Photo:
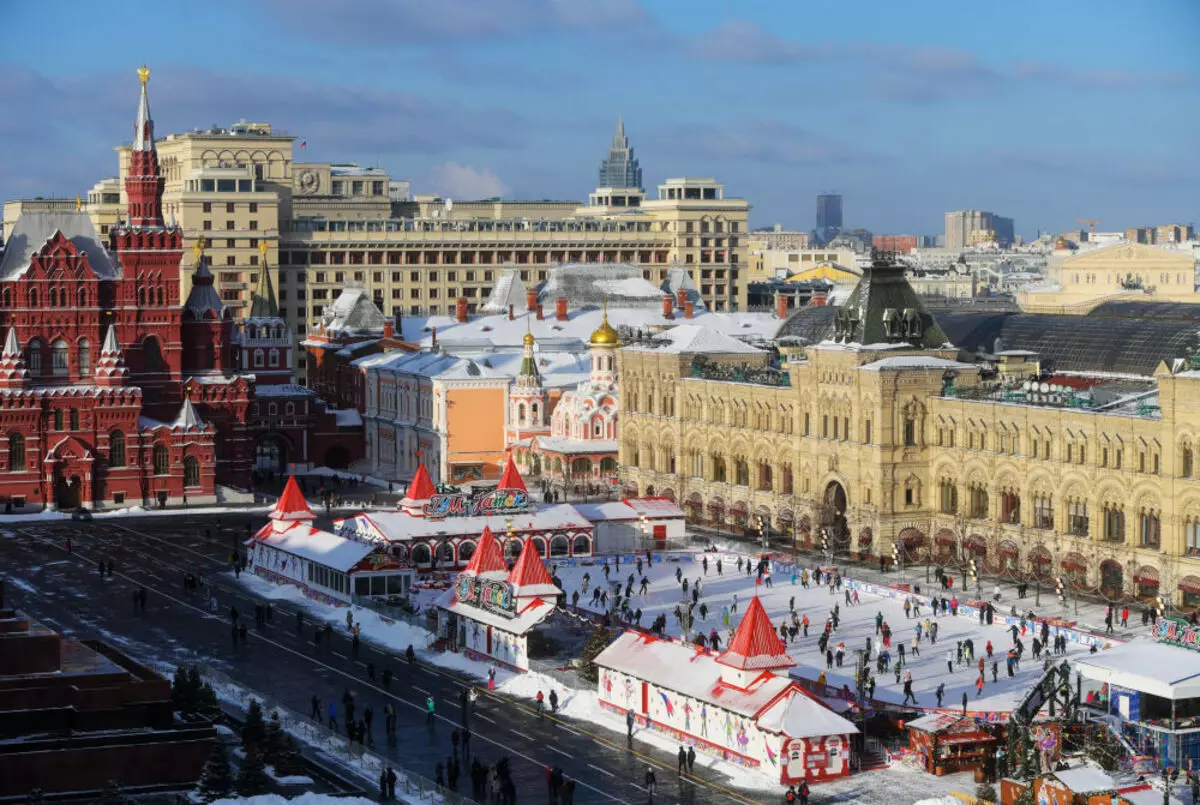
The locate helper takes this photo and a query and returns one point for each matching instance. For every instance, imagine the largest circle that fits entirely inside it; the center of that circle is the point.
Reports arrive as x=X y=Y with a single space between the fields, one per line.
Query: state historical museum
x=111 y=393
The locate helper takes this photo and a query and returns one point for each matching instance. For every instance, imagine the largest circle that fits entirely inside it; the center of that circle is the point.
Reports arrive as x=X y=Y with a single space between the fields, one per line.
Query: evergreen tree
x=600 y=640
x=273 y=741
x=252 y=778
x=217 y=780
x=179 y=689
x=254 y=731
x=985 y=794
x=207 y=703
x=1025 y=797
x=290 y=762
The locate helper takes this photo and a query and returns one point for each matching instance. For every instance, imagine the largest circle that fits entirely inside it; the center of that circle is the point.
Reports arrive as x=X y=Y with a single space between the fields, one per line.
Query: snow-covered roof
x=559 y=444
x=399 y=526
x=630 y=509
x=306 y=542
x=534 y=613
x=622 y=284
x=900 y=362
x=509 y=291
x=1159 y=669
x=1146 y=796
x=283 y=390
x=697 y=338
x=799 y=716
x=353 y=312
x=31 y=231
x=291 y=505
x=203 y=298
x=487 y=332
x=431 y=364
x=529 y=576
x=934 y=722
x=1086 y=780
x=347 y=417
x=756 y=645
x=690 y=670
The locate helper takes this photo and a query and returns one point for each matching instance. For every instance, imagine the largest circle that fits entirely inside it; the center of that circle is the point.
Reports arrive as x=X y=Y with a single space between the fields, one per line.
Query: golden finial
x=78 y=203
x=143 y=74
x=199 y=246
x=262 y=248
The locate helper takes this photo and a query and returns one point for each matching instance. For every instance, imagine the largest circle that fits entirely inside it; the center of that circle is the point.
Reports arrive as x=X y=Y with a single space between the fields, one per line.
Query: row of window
x=161 y=455
x=330 y=579
x=230 y=206
x=207 y=225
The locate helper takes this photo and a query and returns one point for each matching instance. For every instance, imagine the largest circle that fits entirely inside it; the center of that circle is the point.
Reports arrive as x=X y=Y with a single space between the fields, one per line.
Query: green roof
x=884 y=309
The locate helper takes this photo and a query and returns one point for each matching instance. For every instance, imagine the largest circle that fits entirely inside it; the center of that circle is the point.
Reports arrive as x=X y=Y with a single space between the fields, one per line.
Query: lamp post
x=645 y=526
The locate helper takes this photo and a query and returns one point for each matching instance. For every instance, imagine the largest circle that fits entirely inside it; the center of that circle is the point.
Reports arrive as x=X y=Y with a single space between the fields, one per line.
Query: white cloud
x=455 y=180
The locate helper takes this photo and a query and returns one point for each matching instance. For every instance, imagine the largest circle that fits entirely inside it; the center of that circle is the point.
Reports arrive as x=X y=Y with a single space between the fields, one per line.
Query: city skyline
x=519 y=99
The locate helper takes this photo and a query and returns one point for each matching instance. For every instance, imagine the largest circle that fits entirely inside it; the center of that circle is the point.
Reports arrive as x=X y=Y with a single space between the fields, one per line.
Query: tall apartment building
x=327 y=226
x=829 y=216
x=972 y=227
x=620 y=168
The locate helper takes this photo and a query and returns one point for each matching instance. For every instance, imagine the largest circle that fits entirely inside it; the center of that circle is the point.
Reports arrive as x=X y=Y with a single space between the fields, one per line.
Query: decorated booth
x=327 y=567
x=436 y=531
x=948 y=742
x=739 y=705
x=490 y=611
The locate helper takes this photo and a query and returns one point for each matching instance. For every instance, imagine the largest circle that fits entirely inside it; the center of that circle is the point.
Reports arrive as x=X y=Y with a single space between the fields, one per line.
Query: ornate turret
x=262 y=298
x=527 y=400
x=12 y=365
x=602 y=346
x=144 y=182
x=110 y=369
x=203 y=301
x=754 y=649
x=884 y=309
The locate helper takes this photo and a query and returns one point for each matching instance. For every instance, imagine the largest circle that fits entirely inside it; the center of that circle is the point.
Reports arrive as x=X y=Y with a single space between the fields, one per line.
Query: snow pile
x=939 y=801
x=303 y=799
x=394 y=635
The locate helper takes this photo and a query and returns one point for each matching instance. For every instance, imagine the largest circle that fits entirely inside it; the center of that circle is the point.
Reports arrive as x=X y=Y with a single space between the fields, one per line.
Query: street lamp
x=645 y=526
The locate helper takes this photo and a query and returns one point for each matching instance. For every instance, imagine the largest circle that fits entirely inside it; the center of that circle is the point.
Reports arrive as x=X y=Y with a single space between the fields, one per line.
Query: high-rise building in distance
x=620 y=168
x=972 y=227
x=829 y=216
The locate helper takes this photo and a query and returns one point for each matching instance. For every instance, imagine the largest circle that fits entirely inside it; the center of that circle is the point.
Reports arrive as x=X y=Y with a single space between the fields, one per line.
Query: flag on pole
x=304 y=143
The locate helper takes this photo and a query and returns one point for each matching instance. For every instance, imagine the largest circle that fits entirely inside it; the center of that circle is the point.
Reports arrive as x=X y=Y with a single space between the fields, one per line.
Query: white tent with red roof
x=739 y=705
x=419 y=492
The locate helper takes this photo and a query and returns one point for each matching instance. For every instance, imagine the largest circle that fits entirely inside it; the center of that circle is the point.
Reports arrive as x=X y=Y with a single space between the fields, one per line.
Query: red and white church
x=739 y=705
x=112 y=392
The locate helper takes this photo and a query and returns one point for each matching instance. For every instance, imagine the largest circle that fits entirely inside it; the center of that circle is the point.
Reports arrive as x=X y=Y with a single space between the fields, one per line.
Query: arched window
x=53 y=297
x=116 y=449
x=273 y=358
x=85 y=357
x=59 y=362
x=152 y=359
x=16 y=453
x=73 y=418
x=290 y=409
x=141 y=297
x=7 y=298
x=272 y=409
x=258 y=359
x=34 y=359
x=162 y=459
x=33 y=297
x=521 y=413
x=82 y=297
x=58 y=420
x=160 y=297
x=191 y=471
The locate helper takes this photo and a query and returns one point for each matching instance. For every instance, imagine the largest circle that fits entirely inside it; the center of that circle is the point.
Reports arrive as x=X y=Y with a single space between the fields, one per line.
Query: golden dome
x=605 y=335
x=527 y=338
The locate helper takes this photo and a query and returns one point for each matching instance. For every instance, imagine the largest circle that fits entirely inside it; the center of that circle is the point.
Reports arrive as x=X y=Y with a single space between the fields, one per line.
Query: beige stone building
x=877 y=434
x=329 y=225
x=1078 y=281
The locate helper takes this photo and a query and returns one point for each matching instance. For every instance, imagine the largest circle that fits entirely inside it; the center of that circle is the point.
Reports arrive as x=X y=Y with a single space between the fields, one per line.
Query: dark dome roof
x=1176 y=311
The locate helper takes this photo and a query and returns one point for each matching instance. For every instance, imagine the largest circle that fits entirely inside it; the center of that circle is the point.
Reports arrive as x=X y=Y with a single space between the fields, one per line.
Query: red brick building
x=111 y=393
x=894 y=243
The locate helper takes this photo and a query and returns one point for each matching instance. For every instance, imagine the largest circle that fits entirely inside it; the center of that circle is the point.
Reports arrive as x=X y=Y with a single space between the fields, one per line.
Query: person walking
x=429 y=710
x=650 y=782
x=681 y=761
x=691 y=758
x=949 y=661
x=333 y=716
x=629 y=721
x=315 y=715
x=553 y=701
x=803 y=792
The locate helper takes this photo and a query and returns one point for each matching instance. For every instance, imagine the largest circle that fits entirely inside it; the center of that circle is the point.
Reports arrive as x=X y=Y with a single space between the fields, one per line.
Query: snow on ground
x=393 y=635
x=856 y=625
x=133 y=511
x=302 y=799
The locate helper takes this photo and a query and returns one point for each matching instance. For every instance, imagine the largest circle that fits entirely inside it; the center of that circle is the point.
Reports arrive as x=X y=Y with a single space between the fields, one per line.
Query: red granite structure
x=77 y=714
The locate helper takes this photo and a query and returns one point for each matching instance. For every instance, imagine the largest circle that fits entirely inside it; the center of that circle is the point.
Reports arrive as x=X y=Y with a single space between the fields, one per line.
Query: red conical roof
x=529 y=575
x=487 y=557
x=511 y=479
x=420 y=487
x=291 y=504
x=756 y=645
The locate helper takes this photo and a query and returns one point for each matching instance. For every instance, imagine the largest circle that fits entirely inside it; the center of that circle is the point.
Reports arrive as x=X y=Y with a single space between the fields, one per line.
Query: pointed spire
x=291 y=505
x=529 y=576
x=420 y=490
x=511 y=479
x=143 y=129
x=12 y=364
x=262 y=299
x=755 y=645
x=110 y=369
x=188 y=417
x=621 y=128
x=487 y=559
x=529 y=370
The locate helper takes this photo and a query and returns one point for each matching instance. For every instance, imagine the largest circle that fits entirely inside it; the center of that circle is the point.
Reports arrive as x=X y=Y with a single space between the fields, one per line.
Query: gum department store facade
x=879 y=434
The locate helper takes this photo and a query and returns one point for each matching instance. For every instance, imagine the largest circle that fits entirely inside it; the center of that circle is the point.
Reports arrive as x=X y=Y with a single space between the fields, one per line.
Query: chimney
x=531 y=301
x=668 y=308
x=818 y=300
x=681 y=298
x=510 y=312
x=781 y=306
x=560 y=308
x=434 y=338
x=540 y=314
x=460 y=310
x=688 y=309
x=389 y=329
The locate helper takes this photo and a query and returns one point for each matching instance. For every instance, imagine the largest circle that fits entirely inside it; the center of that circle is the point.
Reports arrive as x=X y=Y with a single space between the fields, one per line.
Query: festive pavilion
x=490 y=610
x=328 y=568
x=739 y=705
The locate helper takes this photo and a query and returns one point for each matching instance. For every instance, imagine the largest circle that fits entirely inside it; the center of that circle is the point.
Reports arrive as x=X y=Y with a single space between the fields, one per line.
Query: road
x=64 y=590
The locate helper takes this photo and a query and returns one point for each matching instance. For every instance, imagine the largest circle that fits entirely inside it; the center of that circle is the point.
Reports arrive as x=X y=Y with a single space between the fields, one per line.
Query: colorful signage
x=499 y=501
x=1178 y=632
x=490 y=594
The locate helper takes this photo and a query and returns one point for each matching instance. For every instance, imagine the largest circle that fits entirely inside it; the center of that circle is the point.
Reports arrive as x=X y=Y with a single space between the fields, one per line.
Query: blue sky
x=1045 y=111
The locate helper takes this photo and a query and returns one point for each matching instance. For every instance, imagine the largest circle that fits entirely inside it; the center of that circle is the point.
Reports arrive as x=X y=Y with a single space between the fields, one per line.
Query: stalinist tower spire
x=144 y=182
